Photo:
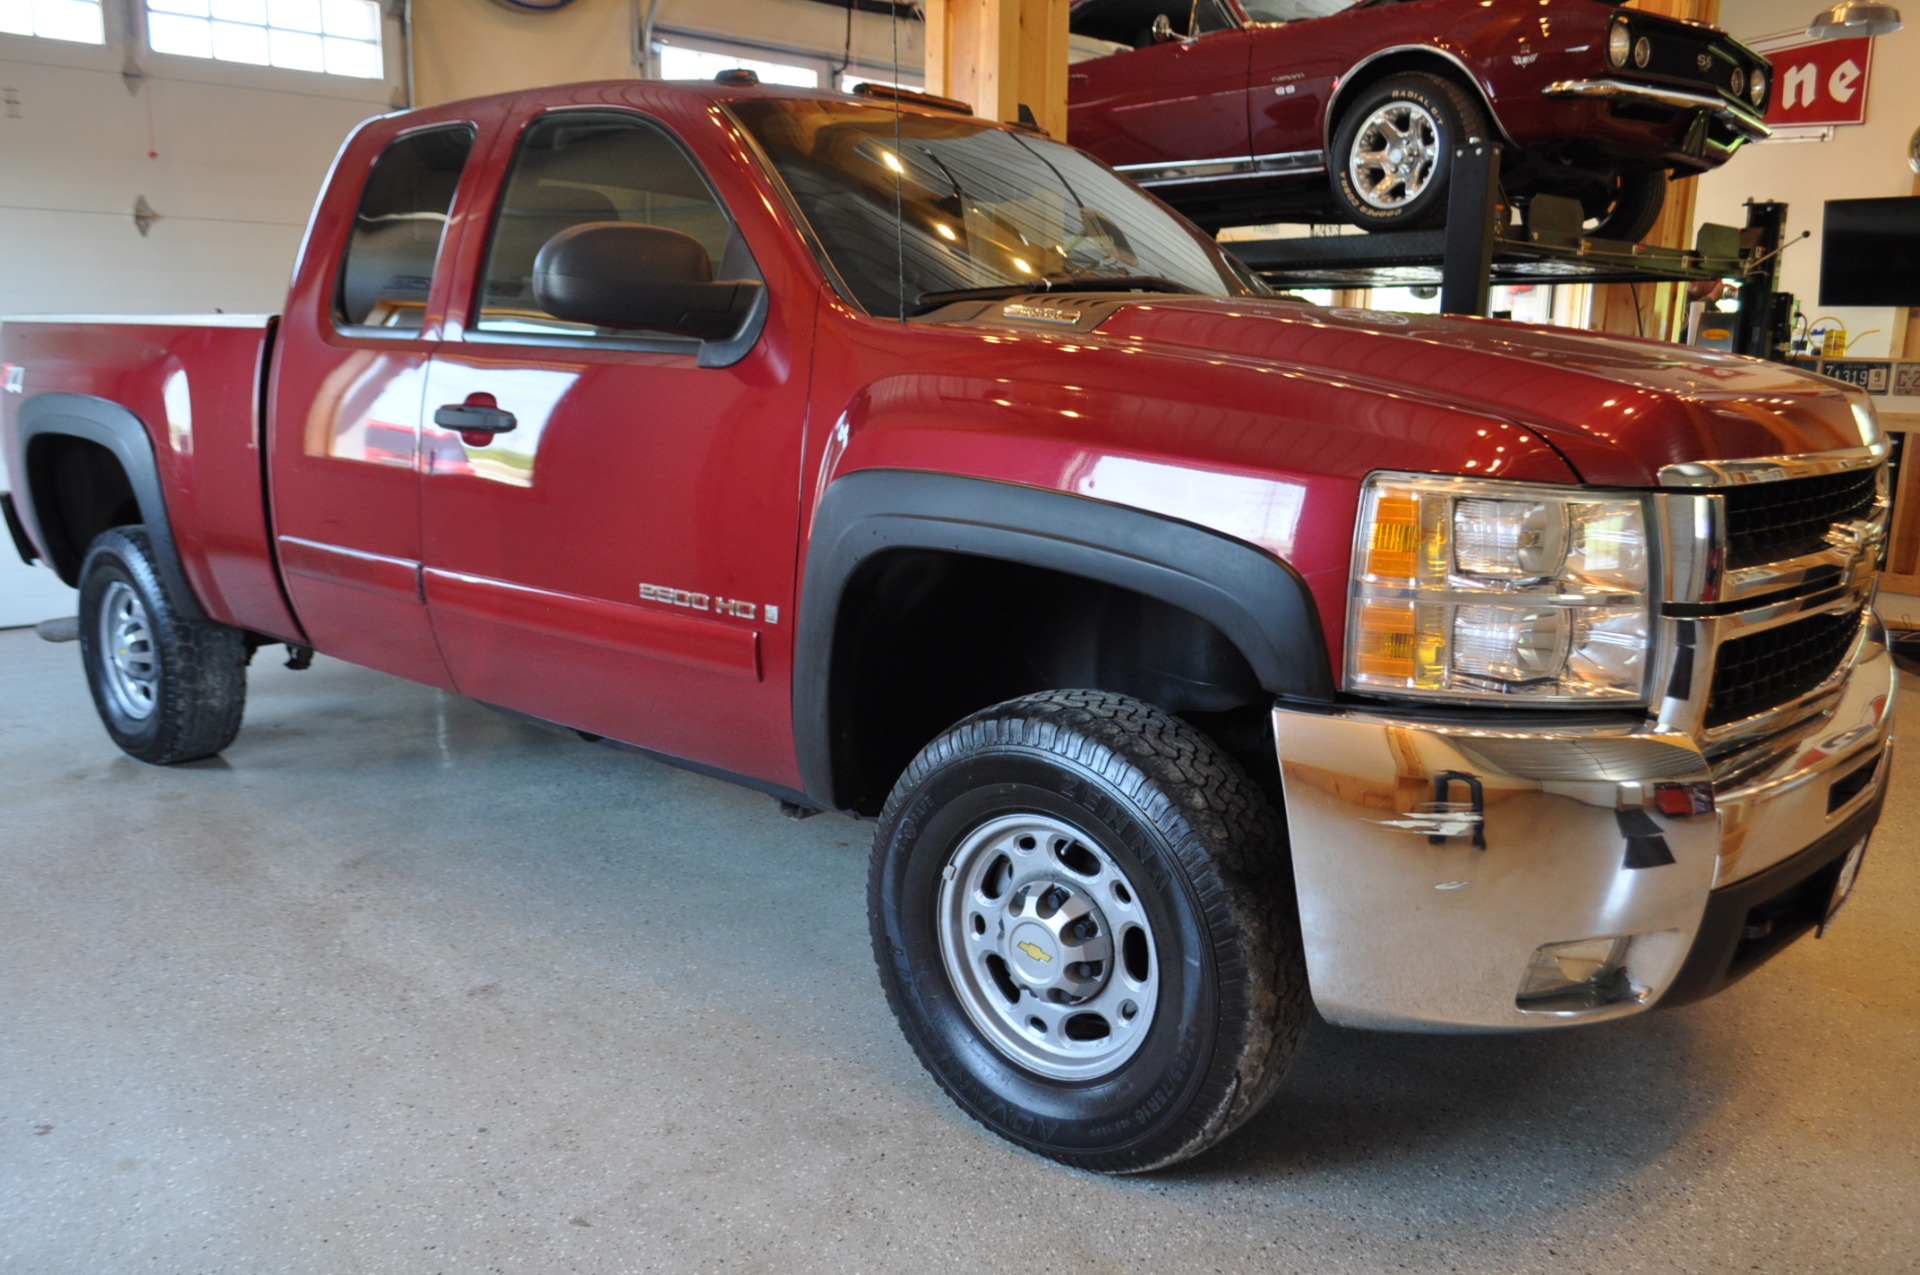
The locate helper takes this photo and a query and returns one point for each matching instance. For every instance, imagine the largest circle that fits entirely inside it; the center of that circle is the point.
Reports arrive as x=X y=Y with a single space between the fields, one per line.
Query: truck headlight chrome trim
x=1470 y=590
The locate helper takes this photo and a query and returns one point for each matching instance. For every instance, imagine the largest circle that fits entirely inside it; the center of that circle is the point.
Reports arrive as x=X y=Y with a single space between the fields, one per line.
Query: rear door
x=619 y=558
x=349 y=372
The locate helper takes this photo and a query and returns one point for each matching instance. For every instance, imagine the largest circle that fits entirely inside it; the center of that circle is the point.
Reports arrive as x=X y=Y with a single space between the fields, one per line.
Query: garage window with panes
x=335 y=37
x=76 y=20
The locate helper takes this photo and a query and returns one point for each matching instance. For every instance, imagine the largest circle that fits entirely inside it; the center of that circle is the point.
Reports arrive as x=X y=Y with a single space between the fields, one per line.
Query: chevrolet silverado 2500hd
x=1203 y=656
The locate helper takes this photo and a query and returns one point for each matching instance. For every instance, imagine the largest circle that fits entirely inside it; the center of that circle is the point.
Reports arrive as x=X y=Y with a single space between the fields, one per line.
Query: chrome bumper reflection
x=1434 y=859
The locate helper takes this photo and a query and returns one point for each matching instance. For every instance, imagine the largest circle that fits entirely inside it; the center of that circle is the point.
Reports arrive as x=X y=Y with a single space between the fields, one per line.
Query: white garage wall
x=470 y=47
x=230 y=157
x=29 y=595
x=1861 y=162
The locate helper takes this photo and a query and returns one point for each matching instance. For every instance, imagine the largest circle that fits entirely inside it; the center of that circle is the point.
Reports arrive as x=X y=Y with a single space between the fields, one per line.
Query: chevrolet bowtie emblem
x=1034 y=950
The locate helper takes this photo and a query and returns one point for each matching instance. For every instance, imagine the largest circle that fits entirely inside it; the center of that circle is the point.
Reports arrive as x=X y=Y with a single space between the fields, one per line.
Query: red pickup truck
x=1203 y=656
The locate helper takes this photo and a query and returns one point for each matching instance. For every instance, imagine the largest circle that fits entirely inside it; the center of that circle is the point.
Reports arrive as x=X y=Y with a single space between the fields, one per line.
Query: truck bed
x=195 y=383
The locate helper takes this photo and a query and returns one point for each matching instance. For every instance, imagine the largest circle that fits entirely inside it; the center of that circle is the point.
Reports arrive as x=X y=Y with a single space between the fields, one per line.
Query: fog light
x=1570 y=977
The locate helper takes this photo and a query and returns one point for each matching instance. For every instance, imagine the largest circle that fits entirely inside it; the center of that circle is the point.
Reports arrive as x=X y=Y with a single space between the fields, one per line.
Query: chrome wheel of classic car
x=1393 y=150
x=1084 y=920
x=1392 y=157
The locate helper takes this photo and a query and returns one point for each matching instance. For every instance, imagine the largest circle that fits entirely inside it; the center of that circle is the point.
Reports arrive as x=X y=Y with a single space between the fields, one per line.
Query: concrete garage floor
x=404 y=985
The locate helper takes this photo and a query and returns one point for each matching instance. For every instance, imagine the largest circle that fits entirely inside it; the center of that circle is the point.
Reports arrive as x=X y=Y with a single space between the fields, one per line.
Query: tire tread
x=1232 y=849
x=203 y=683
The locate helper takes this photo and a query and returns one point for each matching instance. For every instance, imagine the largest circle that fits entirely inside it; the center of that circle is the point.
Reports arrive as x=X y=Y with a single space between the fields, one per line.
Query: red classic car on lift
x=1244 y=111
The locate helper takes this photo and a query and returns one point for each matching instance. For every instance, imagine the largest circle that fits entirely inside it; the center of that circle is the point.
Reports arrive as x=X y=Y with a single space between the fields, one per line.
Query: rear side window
x=395 y=244
x=576 y=167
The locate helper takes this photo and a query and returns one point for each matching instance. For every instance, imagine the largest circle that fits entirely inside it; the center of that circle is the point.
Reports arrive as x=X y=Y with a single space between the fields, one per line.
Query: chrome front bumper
x=1434 y=858
x=1739 y=121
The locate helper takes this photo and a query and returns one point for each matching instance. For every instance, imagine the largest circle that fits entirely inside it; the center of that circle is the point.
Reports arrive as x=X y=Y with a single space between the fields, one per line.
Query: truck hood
x=1616 y=408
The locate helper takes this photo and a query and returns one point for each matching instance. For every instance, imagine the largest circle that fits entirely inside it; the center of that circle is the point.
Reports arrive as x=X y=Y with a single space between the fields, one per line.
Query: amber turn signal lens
x=1396 y=535
x=1387 y=639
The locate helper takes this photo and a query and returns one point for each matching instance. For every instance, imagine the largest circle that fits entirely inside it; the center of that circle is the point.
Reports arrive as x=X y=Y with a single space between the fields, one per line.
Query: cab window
x=1212 y=15
x=577 y=167
x=398 y=228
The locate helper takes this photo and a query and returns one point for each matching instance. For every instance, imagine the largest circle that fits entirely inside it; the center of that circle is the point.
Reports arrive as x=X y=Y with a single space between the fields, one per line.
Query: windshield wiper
x=1053 y=283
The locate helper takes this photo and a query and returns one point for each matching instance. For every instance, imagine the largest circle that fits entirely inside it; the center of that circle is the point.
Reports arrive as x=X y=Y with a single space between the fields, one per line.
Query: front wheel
x=168 y=689
x=1084 y=923
x=1393 y=150
x=1628 y=207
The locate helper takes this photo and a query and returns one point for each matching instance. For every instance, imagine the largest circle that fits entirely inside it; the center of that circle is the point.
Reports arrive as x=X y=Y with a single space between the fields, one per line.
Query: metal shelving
x=1478 y=248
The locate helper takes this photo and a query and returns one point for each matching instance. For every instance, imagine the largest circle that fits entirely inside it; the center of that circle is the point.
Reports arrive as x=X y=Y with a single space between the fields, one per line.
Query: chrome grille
x=1763 y=670
x=1773 y=522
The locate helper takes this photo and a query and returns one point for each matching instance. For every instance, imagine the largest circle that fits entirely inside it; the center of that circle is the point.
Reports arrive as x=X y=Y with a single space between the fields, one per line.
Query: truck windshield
x=956 y=205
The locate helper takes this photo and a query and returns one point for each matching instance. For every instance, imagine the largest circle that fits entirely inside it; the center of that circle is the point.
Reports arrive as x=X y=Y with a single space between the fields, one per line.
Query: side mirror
x=616 y=274
x=1163 y=29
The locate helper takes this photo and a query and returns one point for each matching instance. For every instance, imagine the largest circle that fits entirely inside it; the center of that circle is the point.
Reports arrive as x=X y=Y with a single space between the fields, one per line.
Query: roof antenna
x=899 y=173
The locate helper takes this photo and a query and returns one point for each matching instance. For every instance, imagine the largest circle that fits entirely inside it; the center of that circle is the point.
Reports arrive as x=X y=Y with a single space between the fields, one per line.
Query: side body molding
x=1260 y=604
x=113 y=427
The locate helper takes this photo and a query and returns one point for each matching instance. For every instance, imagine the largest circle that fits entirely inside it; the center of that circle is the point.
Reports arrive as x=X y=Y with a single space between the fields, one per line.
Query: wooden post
x=1000 y=55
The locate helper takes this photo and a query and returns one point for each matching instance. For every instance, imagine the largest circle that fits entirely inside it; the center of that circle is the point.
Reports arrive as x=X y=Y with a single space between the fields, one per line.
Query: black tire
x=189 y=676
x=1171 y=815
x=1453 y=117
x=1629 y=208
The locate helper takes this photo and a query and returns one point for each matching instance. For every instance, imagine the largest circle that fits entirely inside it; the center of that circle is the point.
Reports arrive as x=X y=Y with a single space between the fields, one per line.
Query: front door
x=1155 y=111
x=619 y=556
x=1294 y=68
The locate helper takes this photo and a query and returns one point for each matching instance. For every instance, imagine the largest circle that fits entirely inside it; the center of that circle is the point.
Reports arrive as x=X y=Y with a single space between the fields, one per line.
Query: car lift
x=1478 y=248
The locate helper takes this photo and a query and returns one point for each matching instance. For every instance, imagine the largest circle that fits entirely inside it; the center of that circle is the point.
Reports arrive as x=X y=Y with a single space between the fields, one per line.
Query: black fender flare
x=1259 y=602
x=121 y=433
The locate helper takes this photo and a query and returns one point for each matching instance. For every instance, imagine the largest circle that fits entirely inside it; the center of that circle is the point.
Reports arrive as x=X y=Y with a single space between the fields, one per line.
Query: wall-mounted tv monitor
x=1870 y=252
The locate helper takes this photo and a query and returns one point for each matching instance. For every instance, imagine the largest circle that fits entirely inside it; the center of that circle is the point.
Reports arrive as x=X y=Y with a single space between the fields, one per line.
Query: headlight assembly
x=1619 y=44
x=1468 y=590
x=1757 y=87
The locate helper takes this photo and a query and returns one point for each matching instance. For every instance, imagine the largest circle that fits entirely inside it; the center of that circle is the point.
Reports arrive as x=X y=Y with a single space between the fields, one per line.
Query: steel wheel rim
x=1395 y=155
x=129 y=657
x=1032 y=906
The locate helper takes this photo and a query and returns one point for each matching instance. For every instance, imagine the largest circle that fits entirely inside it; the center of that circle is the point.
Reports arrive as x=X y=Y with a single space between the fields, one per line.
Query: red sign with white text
x=1819 y=82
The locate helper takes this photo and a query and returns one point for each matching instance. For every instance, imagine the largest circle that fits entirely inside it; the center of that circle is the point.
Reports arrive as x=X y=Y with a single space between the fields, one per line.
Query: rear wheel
x=1393 y=150
x=1084 y=923
x=168 y=689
